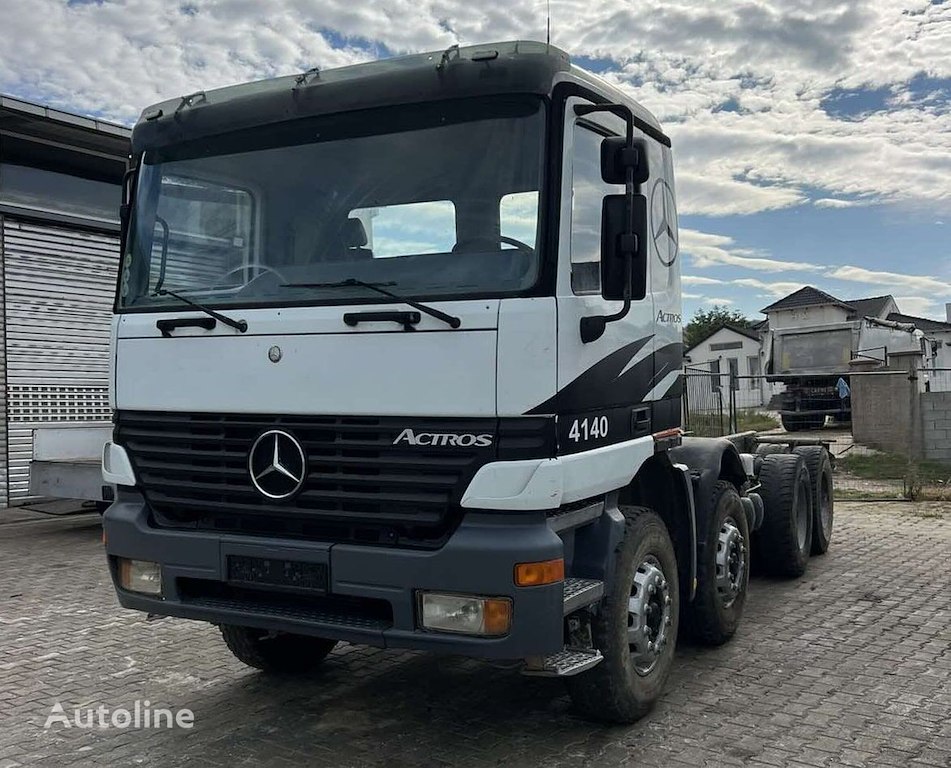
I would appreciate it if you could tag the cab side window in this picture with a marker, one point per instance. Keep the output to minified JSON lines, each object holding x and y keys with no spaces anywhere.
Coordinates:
{"x":587,"y":194}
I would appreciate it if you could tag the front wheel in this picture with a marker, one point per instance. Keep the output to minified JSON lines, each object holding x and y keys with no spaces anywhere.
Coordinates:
{"x":276,"y":652}
{"x":636,"y":625}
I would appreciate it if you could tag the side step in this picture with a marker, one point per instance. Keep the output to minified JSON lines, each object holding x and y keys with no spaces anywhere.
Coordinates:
{"x":564,"y":663}
{"x":581,"y":592}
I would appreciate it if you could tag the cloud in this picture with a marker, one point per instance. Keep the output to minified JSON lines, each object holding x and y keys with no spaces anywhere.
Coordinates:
{"x":831,"y":202}
{"x":922,"y":283}
{"x":696,"y":280}
{"x":773,"y":290}
{"x":739,"y":84}
{"x":919,"y":306}
{"x":710,"y":250}
{"x":700,"y":194}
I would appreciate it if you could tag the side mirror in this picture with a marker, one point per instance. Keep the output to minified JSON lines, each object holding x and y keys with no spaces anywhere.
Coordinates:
{"x":623,"y":255}
{"x":617,"y":156}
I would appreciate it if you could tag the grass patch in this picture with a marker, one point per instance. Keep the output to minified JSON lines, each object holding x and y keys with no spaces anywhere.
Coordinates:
{"x":856,"y":494}
{"x":889,"y":466}
{"x":711,"y":425}
{"x":921,"y":479}
{"x":755,"y":420}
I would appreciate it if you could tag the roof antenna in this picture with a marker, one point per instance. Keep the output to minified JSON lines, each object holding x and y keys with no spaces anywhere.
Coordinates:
{"x":548,"y":26}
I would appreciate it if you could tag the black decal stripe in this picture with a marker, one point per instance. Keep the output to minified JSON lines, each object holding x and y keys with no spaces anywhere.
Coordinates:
{"x":598,"y":387}
{"x":676,"y":389}
{"x":665,"y":413}
{"x":667,"y":359}
{"x":604,"y":386}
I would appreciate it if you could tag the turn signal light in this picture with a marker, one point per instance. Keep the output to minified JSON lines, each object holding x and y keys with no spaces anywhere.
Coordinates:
{"x":536,"y":574}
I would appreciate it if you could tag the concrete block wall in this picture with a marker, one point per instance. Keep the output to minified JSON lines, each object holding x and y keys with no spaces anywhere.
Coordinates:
{"x":881,"y":412}
{"x":936,"y":425}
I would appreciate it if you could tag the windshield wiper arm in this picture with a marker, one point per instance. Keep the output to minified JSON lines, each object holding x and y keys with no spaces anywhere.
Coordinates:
{"x":451,"y":320}
{"x":240,"y":325}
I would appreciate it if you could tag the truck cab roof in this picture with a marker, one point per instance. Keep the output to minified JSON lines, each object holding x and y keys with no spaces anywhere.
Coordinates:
{"x":518,"y":67}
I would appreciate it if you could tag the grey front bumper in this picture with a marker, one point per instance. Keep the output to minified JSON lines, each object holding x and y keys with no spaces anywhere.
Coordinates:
{"x":479,"y":558}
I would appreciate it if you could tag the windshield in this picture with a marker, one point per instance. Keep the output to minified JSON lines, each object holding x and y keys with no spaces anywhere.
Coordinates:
{"x":437,"y":201}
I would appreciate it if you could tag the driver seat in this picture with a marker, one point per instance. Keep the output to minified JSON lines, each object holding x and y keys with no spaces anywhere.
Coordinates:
{"x":353,"y":237}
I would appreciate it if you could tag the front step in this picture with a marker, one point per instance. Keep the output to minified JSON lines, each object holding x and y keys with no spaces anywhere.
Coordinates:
{"x":564,"y":663}
{"x":581,"y":592}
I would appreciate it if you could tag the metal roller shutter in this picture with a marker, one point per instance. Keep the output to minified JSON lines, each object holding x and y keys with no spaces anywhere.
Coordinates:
{"x":59,"y":286}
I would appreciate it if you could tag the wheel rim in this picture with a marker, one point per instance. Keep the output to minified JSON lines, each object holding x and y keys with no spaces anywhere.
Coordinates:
{"x":802,"y":520}
{"x":825,"y":506}
{"x":730,"y":562}
{"x":648,"y":616}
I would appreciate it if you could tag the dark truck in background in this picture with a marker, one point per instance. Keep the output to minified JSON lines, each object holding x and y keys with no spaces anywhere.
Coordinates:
{"x":815,"y":365}
{"x":810,"y":362}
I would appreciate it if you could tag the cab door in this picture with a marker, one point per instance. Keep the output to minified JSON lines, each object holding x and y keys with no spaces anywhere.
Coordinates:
{"x":602,"y":384}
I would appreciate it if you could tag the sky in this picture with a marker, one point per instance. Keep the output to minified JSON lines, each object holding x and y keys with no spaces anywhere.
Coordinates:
{"x":811,"y":138}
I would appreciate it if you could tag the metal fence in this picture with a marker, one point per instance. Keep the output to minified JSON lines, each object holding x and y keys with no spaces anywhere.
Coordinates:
{"x":892,"y":433}
{"x":706,"y":411}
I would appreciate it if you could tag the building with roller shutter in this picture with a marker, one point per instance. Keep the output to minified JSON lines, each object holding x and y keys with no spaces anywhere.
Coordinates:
{"x":60,"y":181}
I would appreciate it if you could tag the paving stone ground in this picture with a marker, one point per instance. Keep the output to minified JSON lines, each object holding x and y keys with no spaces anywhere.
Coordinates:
{"x":849,"y":666}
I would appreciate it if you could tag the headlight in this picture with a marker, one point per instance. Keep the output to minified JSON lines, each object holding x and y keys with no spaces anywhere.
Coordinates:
{"x":465,"y":614}
{"x":140,"y":576}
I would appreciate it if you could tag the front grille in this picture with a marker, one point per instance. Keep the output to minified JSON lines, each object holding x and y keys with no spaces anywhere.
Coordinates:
{"x":193,"y":470}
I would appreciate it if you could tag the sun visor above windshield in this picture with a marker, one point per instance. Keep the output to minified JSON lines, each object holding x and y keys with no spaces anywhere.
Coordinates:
{"x":520,"y":67}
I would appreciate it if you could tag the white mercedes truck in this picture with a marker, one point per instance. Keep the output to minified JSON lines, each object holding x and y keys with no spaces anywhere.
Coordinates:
{"x":397,"y":361}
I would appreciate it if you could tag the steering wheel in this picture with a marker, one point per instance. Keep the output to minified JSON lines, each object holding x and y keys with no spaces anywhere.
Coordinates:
{"x":261,"y":269}
{"x":517,"y":243}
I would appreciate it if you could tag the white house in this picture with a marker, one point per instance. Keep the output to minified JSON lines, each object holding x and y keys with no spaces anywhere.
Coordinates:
{"x":811,"y":307}
{"x":737,"y":350}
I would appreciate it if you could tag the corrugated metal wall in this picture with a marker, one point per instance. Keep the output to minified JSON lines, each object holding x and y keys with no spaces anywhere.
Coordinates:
{"x":3,"y":379}
{"x":58,"y":289}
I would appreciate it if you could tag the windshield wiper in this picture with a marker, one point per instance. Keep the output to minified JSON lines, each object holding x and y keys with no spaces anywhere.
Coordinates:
{"x":240,"y":325}
{"x":451,"y":320}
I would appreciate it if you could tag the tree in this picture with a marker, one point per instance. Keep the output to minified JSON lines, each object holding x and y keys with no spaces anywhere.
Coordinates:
{"x":708,"y":321}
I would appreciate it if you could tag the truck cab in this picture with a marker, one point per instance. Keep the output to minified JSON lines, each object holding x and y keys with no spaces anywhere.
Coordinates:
{"x":397,"y":353}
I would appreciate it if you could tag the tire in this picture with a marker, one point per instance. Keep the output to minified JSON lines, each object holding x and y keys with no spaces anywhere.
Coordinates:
{"x":782,"y":544}
{"x":622,"y":689}
{"x":823,"y":501}
{"x":279,"y":653}
{"x":765,"y":449}
{"x":791,"y":423}
{"x":722,"y":570}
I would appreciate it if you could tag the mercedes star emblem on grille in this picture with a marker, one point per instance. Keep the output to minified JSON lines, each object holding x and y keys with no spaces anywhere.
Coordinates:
{"x":277,"y":464}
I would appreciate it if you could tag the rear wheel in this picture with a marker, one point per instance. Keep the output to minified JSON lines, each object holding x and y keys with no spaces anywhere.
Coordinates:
{"x":820,"y":476}
{"x":782,"y":544}
{"x":722,"y":570}
{"x":636,"y":625}
{"x":276,"y":652}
